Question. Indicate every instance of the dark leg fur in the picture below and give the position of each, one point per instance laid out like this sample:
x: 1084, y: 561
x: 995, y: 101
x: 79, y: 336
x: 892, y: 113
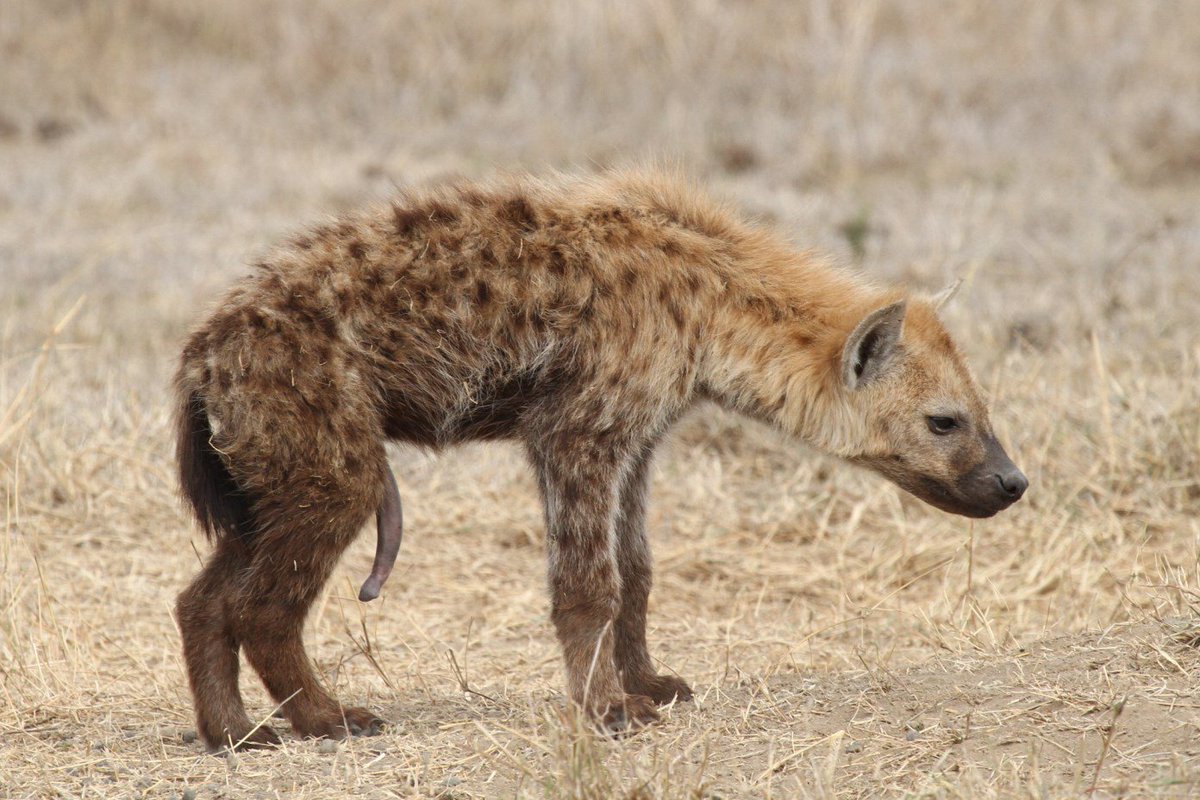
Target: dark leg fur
x: 577, y: 476
x: 293, y: 555
x: 633, y: 557
x: 210, y: 650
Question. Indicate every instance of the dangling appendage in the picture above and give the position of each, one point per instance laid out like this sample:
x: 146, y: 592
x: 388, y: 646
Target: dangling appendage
x: 389, y: 523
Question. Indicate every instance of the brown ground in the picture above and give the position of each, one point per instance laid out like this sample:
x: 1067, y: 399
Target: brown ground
x: 845, y: 641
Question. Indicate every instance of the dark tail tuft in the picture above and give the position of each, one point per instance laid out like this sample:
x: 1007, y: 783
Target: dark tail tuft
x: 220, y: 506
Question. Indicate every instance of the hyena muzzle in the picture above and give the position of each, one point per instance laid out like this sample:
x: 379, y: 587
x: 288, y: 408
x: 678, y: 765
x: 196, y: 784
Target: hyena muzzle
x: 580, y: 317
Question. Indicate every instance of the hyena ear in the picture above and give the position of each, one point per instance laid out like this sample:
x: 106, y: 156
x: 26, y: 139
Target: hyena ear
x: 872, y: 345
x: 945, y: 295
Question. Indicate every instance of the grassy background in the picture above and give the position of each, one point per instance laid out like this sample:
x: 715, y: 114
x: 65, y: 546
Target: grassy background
x: 845, y: 641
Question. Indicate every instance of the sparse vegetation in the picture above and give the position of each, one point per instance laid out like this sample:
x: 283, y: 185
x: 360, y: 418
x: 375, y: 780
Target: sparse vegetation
x: 844, y: 640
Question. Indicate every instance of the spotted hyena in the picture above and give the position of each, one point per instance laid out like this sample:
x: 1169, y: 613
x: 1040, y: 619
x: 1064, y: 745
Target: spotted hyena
x: 578, y: 316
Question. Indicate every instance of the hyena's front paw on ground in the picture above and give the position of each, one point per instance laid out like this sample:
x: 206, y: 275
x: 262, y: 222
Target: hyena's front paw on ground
x: 341, y: 723
x: 662, y: 689
x: 627, y: 715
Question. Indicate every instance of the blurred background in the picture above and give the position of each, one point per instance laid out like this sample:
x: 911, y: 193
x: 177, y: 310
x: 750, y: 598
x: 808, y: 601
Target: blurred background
x: 937, y: 138
x: 1046, y: 151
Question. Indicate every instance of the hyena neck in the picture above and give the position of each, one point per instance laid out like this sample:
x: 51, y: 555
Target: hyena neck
x: 775, y: 344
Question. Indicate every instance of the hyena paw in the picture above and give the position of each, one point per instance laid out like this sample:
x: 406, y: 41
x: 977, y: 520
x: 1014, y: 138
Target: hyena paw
x: 628, y: 715
x: 340, y: 723
x: 662, y: 689
x: 362, y: 722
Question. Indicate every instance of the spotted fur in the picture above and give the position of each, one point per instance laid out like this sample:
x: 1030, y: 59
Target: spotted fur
x: 579, y: 316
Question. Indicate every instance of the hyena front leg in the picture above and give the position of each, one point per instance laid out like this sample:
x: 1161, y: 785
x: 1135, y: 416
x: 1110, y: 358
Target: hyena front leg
x: 579, y: 478
x: 633, y: 559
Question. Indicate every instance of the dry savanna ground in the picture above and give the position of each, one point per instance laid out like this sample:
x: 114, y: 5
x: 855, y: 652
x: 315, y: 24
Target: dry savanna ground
x: 844, y: 640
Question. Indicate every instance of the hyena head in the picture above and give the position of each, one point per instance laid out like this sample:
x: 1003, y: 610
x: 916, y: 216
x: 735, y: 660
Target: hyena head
x: 926, y: 424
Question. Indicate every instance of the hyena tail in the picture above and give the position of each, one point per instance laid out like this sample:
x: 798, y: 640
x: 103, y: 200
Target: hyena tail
x: 212, y: 493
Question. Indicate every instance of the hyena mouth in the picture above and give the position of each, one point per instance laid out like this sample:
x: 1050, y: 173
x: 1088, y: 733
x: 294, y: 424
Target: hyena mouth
x: 985, y: 490
x: 973, y: 495
x: 954, y: 500
x: 982, y: 492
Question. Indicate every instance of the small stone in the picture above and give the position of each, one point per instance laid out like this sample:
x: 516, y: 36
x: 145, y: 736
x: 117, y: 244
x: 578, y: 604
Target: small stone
x: 188, y: 736
x: 188, y: 794
x: 327, y: 746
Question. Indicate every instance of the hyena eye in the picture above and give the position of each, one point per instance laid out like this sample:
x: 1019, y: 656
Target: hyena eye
x: 942, y: 425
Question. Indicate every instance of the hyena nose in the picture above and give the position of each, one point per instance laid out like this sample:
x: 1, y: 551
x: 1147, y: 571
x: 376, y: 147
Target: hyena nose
x: 1013, y: 482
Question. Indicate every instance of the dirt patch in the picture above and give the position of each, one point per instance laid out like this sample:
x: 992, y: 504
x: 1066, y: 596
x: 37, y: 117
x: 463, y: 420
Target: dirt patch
x: 1040, y: 715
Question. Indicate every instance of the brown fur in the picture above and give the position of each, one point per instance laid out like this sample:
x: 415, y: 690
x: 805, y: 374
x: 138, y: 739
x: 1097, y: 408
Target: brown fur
x: 581, y: 316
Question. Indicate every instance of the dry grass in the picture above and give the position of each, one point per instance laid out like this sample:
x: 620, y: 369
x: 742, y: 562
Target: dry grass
x: 844, y: 640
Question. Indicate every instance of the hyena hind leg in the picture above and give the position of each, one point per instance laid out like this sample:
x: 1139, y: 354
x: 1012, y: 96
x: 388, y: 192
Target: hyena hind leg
x: 633, y: 558
x: 301, y: 536
x: 210, y: 651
